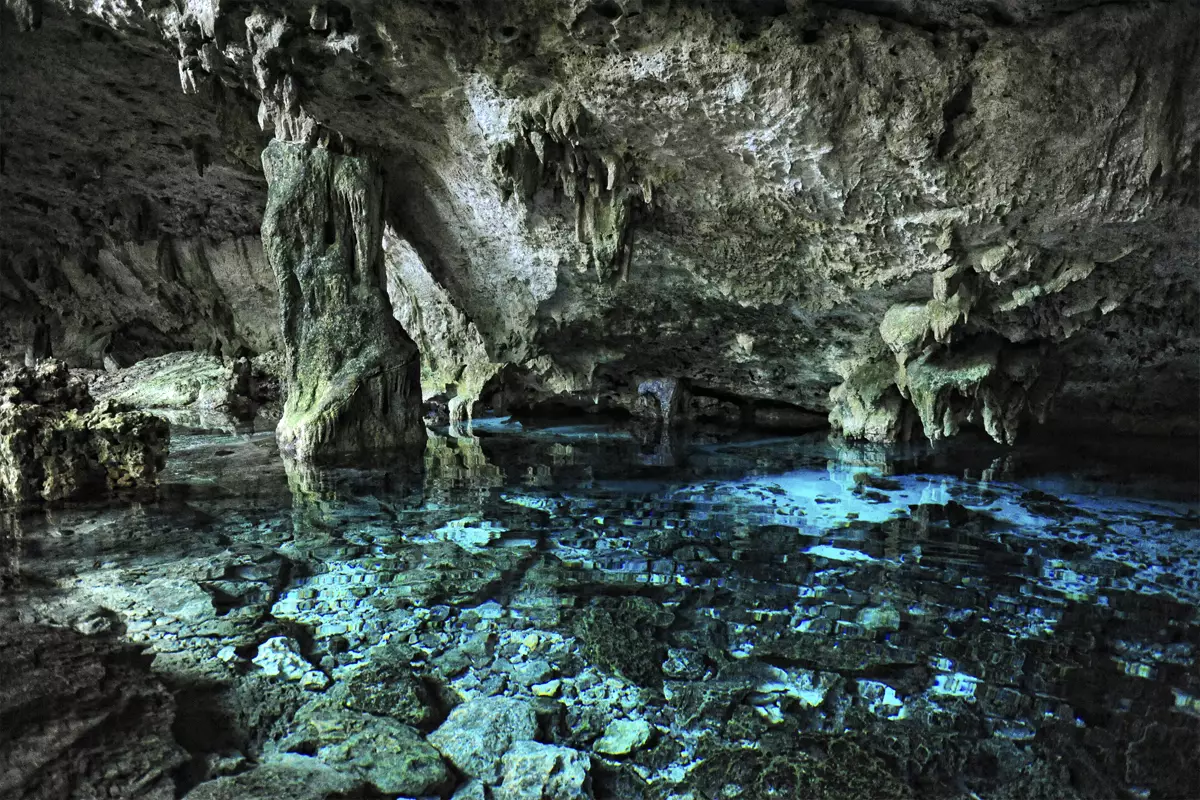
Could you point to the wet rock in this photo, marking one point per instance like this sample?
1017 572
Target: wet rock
56 444
533 771
289 775
880 618
391 757
472 790
280 657
380 751
684 664
531 672
353 375
623 736
478 733
82 717
622 637
388 688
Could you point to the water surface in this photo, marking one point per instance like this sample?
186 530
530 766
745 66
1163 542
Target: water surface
792 617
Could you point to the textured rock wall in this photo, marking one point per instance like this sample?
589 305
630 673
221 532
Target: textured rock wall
82 717
129 212
769 200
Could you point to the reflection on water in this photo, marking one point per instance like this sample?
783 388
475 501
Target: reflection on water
784 618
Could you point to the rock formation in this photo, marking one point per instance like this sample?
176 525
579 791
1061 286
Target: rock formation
194 382
353 375
56 445
82 717
909 216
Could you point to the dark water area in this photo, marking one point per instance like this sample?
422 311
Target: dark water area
792 617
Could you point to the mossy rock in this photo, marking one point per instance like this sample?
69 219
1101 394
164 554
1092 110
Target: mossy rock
844 770
624 637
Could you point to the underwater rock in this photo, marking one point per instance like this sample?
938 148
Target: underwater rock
472 790
622 737
82 717
353 375
279 657
385 753
619 636
293 776
57 445
386 687
879 618
478 733
534 771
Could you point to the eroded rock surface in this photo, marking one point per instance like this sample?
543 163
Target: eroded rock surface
190 381
353 375
56 444
82 717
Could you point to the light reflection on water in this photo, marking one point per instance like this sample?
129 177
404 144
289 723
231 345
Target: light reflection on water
960 623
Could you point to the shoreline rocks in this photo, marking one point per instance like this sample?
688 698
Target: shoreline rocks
57 444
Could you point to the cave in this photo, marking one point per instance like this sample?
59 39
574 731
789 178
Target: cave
663 399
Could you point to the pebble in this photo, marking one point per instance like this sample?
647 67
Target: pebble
547 689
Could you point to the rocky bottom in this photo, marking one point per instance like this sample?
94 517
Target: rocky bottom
562 613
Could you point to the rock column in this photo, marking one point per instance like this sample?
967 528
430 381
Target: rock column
353 373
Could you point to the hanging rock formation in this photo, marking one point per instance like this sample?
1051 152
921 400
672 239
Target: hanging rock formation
353 375
908 216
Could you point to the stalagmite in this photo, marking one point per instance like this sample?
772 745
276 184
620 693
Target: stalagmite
352 372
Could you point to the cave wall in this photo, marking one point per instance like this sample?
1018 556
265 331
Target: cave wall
129 211
773 200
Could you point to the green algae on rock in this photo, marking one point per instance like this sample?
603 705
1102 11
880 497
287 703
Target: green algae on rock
353 374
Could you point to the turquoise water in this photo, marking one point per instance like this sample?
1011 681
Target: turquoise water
778 618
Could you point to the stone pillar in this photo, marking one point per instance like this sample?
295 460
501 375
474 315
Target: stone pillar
353 373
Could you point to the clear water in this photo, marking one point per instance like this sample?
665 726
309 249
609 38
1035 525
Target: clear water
793 617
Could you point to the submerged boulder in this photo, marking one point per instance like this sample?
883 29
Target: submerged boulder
477 734
378 751
56 444
289 775
533 771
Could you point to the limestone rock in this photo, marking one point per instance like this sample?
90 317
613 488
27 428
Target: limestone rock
386 687
56 445
478 733
279 657
82 717
533 771
755 198
379 751
353 377
193 381
622 737
471 790
292 776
